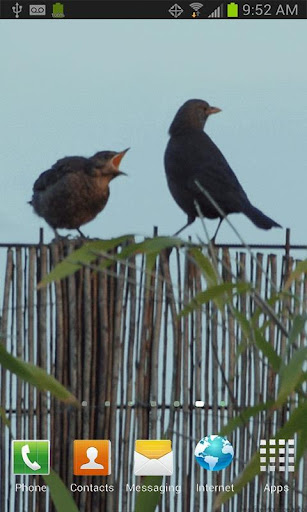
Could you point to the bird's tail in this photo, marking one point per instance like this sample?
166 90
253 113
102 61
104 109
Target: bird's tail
259 219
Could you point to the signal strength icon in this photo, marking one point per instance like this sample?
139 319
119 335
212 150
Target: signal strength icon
217 13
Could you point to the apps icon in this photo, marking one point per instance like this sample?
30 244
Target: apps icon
153 457
92 457
277 455
214 453
31 457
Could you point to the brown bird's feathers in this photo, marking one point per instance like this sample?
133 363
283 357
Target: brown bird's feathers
75 189
61 168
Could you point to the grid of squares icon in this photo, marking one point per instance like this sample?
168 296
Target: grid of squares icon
277 455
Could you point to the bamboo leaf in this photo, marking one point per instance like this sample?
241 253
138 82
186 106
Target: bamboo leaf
155 244
204 265
148 501
85 255
301 268
298 326
290 375
91 250
244 416
296 423
267 350
250 471
3 416
35 376
60 495
150 262
214 293
245 324
301 441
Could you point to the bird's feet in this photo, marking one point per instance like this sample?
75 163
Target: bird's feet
61 238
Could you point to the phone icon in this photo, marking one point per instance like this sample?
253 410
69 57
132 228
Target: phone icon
24 453
31 457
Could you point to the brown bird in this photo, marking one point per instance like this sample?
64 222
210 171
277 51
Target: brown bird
75 189
193 162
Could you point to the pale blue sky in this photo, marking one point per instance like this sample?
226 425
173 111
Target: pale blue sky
75 87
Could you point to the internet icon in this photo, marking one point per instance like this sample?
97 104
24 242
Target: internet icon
214 453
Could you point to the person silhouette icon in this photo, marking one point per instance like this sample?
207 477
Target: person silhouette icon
92 454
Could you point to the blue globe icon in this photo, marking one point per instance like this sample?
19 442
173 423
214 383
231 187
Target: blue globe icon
214 453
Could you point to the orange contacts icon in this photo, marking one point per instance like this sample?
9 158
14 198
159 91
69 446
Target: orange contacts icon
92 457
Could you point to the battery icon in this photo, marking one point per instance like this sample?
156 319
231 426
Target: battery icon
232 10
58 10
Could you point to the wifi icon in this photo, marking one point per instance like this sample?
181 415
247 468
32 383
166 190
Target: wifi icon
196 6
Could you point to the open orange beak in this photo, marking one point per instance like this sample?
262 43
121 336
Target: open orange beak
116 160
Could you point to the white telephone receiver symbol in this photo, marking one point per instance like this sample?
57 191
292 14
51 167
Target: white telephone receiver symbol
24 453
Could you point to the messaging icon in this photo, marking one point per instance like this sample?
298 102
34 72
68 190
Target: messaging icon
153 457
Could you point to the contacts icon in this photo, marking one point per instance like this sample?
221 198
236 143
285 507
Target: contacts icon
92 457
92 454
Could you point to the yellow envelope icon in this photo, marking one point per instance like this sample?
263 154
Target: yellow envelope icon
153 457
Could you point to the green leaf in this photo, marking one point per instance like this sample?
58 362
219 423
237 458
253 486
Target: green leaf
4 417
35 376
267 350
301 448
245 324
214 293
85 255
148 501
290 375
60 495
298 326
204 265
301 268
296 423
259 309
250 471
155 244
244 416
91 250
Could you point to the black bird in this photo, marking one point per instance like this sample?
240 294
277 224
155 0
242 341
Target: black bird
191 157
75 189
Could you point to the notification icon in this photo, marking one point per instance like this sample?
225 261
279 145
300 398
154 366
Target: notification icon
92 457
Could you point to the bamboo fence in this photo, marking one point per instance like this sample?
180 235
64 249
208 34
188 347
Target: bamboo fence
115 340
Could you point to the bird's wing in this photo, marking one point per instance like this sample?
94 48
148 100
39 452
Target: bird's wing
60 169
221 184
200 160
